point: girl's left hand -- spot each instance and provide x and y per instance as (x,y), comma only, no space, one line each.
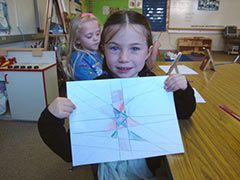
(175,82)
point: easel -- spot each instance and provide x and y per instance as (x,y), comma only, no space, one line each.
(236,59)
(208,61)
(174,64)
(60,13)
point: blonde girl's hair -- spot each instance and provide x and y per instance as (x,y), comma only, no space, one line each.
(76,24)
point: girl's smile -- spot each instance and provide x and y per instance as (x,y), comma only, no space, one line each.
(124,69)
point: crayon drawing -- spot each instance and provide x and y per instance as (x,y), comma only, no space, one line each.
(122,119)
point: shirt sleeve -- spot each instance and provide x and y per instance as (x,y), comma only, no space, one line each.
(81,64)
(54,134)
(185,102)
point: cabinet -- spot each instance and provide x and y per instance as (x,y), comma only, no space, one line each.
(31,84)
(190,45)
(30,91)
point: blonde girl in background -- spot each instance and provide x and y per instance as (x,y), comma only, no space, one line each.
(84,61)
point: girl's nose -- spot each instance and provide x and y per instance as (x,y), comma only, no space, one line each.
(96,38)
(123,57)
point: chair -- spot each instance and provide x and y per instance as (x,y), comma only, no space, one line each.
(238,56)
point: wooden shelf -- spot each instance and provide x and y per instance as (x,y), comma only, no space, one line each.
(188,45)
(19,38)
(57,35)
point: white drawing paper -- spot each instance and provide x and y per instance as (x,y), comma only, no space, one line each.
(122,119)
(199,98)
(181,68)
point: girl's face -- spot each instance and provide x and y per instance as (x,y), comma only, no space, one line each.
(127,51)
(89,35)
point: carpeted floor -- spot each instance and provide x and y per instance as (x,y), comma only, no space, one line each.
(23,156)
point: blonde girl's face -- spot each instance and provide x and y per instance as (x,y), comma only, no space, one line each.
(127,51)
(89,35)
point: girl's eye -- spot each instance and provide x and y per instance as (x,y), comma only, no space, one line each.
(98,33)
(88,37)
(114,49)
(134,49)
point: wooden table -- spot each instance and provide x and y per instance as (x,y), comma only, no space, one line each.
(211,137)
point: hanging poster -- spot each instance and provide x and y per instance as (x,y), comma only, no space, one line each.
(4,24)
(156,13)
(208,5)
(132,4)
(138,4)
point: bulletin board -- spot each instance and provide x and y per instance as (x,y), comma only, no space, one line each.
(186,14)
(102,8)
(155,11)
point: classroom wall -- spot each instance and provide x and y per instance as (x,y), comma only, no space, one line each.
(168,39)
(192,14)
(21,17)
(42,12)
(186,20)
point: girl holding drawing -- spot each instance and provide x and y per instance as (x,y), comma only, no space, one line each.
(84,62)
(126,43)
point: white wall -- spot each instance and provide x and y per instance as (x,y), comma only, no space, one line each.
(21,17)
(168,39)
(185,14)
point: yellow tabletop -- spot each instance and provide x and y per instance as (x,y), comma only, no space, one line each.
(211,137)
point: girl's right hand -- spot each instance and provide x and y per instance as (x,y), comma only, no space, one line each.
(61,107)
(175,82)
